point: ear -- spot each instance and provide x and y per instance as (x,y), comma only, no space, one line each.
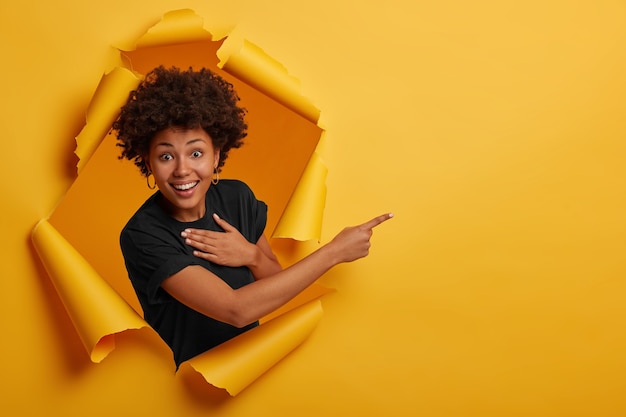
(147,163)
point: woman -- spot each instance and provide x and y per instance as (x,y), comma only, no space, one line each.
(195,251)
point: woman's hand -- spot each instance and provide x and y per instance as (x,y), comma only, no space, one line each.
(353,242)
(228,248)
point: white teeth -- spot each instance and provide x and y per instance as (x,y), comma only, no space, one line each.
(183,187)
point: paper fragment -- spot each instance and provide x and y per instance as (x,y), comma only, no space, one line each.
(235,364)
(252,65)
(302,218)
(96,310)
(111,94)
(177,26)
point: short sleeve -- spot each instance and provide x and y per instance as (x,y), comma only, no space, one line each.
(151,257)
(258,211)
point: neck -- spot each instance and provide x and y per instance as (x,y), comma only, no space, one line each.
(179,214)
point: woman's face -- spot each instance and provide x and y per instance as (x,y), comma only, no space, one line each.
(182,162)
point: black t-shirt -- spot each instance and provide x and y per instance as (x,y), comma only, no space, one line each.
(154,250)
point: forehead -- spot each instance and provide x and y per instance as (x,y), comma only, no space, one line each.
(177,136)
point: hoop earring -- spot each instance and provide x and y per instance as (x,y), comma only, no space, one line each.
(153,186)
(216,177)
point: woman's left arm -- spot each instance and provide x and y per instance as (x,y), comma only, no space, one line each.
(266,264)
(231,248)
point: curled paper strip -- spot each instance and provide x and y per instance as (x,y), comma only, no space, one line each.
(177,26)
(253,66)
(96,310)
(235,364)
(110,96)
(301,219)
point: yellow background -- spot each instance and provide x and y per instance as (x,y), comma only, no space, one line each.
(494,130)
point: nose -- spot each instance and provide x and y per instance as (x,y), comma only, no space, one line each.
(182,168)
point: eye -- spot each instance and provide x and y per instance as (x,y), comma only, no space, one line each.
(196,154)
(165,157)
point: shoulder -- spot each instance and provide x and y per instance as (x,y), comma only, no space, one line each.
(233,196)
(146,213)
(232,186)
(231,190)
(147,220)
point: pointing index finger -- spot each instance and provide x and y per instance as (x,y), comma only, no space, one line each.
(377,220)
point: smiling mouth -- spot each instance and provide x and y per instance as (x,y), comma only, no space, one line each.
(185,187)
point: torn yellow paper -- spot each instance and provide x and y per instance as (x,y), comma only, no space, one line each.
(110,96)
(177,26)
(252,65)
(302,218)
(279,151)
(235,364)
(96,310)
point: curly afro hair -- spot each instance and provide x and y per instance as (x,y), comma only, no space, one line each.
(169,97)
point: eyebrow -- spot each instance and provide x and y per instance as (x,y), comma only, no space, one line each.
(191,142)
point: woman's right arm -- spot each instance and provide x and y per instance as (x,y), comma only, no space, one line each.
(206,293)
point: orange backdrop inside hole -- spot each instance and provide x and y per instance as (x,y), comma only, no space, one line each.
(107,192)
